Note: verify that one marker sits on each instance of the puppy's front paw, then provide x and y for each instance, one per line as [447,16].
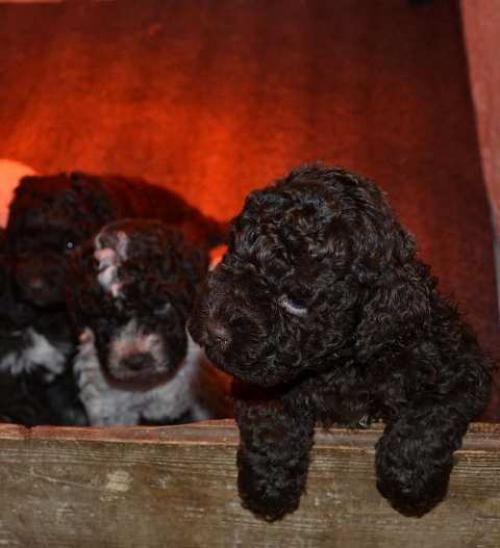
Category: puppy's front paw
[412,473]
[269,491]
[273,457]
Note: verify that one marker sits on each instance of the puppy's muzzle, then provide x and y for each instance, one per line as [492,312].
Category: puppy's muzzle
[217,335]
[39,279]
[141,363]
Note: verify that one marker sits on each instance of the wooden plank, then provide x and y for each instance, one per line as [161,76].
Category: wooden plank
[176,486]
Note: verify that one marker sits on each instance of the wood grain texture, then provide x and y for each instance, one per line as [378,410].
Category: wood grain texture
[175,486]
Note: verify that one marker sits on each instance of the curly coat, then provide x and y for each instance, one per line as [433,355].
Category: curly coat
[323,313]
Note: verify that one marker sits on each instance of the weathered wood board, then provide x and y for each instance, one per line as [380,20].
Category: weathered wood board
[175,487]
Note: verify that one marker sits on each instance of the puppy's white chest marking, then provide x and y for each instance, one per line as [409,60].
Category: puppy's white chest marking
[38,353]
[107,405]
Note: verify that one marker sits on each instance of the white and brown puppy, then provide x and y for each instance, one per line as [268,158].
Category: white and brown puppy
[130,293]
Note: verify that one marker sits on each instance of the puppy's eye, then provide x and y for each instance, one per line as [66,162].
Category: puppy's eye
[163,310]
[69,245]
[293,305]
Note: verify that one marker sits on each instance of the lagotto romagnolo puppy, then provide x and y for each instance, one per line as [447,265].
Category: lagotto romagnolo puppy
[30,338]
[35,349]
[51,215]
[323,313]
[130,291]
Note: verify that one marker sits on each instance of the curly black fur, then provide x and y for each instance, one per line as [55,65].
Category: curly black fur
[51,215]
[36,346]
[323,305]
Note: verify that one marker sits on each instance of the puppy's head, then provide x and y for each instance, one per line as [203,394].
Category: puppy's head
[133,286]
[49,217]
[318,272]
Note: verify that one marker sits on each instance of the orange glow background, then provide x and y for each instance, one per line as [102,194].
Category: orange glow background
[216,98]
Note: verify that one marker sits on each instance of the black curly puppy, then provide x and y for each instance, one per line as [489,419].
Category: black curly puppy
[30,338]
[50,215]
[36,386]
[324,314]
[130,291]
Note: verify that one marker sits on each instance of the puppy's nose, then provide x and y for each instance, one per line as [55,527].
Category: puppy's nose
[218,334]
[36,283]
[140,362]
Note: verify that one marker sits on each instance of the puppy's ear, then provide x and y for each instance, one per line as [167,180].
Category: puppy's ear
[73,287]
[197,265]
[193,259]
[84,296]
[397,302]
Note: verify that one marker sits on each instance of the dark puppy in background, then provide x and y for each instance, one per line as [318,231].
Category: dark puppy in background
[31,338]
[323,313]
[51,215]
[130,291]
[36,385]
